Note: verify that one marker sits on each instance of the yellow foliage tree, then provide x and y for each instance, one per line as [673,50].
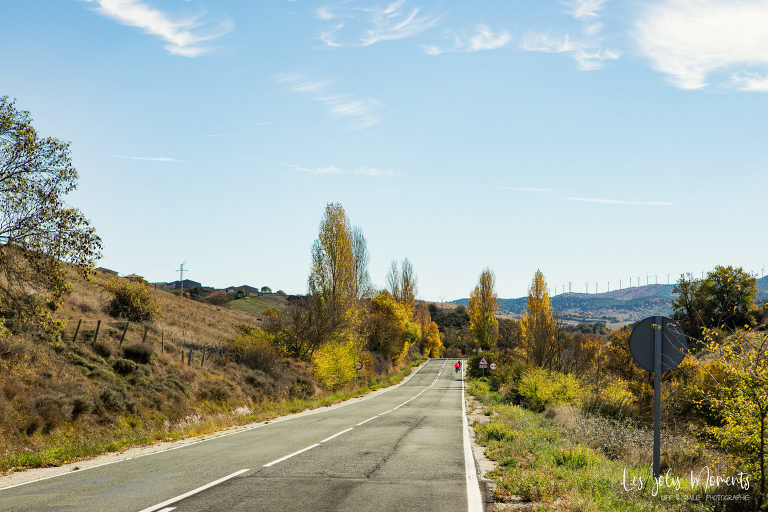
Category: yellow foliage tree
[482,311]
[391,328]
[334,363]
[538,328]
[432,346]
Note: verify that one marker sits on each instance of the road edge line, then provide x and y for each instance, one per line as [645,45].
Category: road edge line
[474,497]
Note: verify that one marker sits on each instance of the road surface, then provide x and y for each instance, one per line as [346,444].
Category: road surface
[402,450]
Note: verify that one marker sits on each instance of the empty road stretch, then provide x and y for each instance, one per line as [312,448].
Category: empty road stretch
[401,450]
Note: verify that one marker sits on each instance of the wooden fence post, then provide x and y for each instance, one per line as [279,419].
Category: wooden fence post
[182,355]
[96,334]
[77,329]
[189,359]
[162,342]
[144,338]
[125,329]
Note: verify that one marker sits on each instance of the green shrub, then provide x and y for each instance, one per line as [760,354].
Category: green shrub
[575,458]
[104,349]
[132,300]
[124,366]
[539,388]
[140,353]
[495,431]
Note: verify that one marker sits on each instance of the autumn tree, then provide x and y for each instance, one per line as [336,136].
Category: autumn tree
[339,262]
[538,327]
[482,311]
[401,282]
[431,343]
[39,231]
[738,393]
[391,329]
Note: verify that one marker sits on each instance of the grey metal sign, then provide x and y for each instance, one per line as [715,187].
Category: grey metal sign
[674,344]
[658,345]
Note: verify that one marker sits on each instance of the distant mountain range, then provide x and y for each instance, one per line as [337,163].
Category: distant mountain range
[615,307]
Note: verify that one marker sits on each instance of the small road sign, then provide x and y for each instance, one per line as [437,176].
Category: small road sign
[483,363]
[492,366]
[358,366]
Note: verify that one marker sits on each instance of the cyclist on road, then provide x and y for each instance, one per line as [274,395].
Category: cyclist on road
[457,366]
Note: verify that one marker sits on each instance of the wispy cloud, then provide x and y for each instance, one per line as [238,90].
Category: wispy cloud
[361,111]
[365,26]
[587,48]
[483,38]
[149,158]
[620,201]
[691,41]
[581,9]
[183,35]
[332,169]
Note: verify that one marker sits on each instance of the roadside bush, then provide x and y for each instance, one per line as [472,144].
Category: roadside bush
[539,388]
[139,353]
[334,363]
[255,349]
[132,300]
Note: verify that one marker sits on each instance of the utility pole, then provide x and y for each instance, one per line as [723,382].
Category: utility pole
[180,270]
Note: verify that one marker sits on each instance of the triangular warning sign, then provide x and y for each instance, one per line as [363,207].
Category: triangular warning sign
[483,361]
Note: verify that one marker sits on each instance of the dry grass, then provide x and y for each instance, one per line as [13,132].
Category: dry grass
[61,402]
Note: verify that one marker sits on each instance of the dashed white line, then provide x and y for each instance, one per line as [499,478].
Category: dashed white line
[337,434]
[281,459]
[366,421]
[165,508]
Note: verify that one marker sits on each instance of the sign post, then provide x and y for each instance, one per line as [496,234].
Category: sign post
[483,364]
[657,344]
[358,365]
[492,367]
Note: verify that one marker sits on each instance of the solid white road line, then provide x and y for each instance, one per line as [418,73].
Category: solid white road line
[281,459]
[474,500]
[337,434]
[167,509]
[159,506]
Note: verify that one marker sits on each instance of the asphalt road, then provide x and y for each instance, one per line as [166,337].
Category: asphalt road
[402,450]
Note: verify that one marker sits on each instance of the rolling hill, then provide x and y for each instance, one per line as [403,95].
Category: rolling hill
[615,307]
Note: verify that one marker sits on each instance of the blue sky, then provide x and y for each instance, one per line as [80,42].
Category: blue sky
[593,139]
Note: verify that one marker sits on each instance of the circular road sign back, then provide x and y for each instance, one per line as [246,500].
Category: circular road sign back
[674,344]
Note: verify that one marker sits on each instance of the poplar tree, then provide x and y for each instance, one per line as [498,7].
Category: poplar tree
[538,328]
[482,311]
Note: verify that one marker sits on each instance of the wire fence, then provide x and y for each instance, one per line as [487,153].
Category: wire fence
[123,333]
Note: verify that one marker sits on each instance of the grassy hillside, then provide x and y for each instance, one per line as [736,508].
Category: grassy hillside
[258,305]
[64,401]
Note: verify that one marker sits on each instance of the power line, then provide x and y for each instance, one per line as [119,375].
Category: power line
[181,270]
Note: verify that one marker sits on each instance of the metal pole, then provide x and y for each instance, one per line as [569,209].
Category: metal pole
[657,395]
[77,329]
[96,335]
[125,329]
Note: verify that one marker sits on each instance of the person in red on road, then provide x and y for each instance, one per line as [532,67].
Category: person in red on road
[457,366]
